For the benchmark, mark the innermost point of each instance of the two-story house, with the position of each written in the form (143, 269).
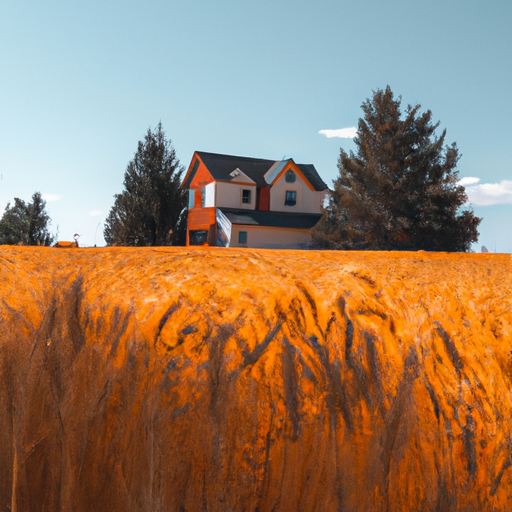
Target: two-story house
(250, 202)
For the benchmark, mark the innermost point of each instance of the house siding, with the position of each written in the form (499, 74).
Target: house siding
(229, 195)
(271, 238)
(308, 201)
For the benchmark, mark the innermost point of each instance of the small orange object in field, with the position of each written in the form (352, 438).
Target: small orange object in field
(66, 245)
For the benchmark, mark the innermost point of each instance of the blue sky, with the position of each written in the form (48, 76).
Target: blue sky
(82, 82)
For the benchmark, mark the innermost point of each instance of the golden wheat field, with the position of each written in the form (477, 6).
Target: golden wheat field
(179, 379)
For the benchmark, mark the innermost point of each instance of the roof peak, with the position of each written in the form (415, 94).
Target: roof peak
(237, 157)
(221, 166)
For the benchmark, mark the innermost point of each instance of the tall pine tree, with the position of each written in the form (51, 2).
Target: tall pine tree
(400, 189)
(147, 212)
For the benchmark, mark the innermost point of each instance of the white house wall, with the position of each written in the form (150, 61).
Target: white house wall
(209, 199)
(271, 238)
(308, 201)
(229, 195)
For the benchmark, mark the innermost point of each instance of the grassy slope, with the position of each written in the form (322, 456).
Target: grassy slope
(179, 379)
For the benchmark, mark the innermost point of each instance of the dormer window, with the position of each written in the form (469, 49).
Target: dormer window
(290, 176)
(246, 196)
(291, 198)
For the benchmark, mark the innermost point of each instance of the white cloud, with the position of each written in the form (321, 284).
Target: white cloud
(487, 194)
(95, 213)
(342, 133)
(468, 181)
(49, 198)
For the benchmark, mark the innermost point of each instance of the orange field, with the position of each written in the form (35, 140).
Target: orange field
(180, 379)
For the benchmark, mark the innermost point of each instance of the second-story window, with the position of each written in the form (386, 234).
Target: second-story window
(203, 197)
(246, 196)
(290, 176)
(291, 198)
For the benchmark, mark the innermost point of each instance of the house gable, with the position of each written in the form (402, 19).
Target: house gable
(197, 175)
(278, 172)
(239, 177)
(293, 191)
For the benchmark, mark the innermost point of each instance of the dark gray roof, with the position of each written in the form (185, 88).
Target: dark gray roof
(312, 176)
(220, 167)
(271, 219)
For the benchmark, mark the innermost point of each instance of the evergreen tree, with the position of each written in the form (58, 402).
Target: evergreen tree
(148, 209)
(26, 223)
(400, 190)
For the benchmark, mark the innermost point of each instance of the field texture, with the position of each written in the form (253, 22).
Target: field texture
(254, 380)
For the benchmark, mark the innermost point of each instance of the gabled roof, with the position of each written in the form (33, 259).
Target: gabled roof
(221, 166)
(271, 219)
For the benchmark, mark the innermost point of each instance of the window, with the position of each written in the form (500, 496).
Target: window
(290, 177)
(291, 198)
(242, 237)
(246, 196)
(203, 197)
(191, 198)
(198, 237)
